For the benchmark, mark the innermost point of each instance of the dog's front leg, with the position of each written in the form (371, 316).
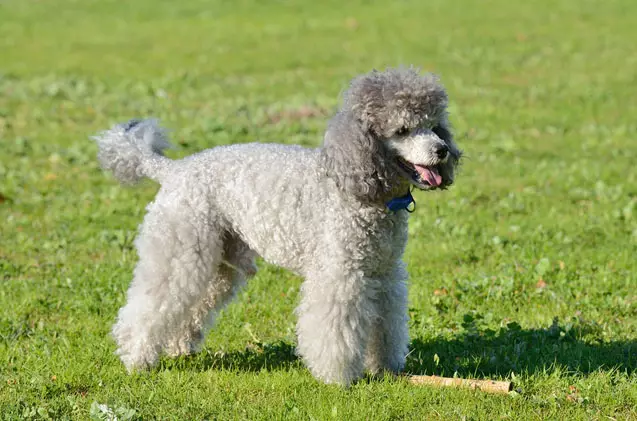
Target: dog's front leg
(389, 338)
(334, 321)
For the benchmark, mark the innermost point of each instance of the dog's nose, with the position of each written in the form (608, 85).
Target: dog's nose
(441, 151)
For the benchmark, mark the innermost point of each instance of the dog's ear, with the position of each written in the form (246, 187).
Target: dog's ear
(355, 158)
(443, 131)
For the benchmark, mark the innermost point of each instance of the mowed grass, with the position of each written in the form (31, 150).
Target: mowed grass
(524, 270)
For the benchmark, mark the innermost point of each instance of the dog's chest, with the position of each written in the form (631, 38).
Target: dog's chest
(382, 241)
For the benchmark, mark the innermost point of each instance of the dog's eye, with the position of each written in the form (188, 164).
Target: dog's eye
(402, 131)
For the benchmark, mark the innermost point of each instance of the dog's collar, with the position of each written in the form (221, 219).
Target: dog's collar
(402, 202)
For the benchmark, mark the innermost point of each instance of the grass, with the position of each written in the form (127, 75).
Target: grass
(525, 270)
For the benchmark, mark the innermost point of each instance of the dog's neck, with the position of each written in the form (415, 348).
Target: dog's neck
(399, 196)
(405, 202)
(399, 187)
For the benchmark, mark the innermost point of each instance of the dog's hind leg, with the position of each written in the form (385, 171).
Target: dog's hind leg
(236, 267)
(180, 245)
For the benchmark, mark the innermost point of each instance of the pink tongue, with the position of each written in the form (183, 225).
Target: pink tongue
(429, 174)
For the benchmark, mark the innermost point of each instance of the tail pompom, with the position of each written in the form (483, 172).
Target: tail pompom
(133, 150)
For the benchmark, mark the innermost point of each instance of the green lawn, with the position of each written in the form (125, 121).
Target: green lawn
(524, 270)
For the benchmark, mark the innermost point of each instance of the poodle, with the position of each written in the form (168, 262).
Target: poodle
(336, 215)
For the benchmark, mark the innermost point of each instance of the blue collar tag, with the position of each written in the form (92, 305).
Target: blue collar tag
(402, 202)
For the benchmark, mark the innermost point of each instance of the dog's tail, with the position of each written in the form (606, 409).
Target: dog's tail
(134, 150)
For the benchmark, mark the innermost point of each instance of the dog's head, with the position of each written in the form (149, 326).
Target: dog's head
(391, 131)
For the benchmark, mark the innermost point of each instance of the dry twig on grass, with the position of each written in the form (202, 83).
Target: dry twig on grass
(488, 386)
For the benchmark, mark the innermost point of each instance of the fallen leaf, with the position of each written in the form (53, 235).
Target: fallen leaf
(540, 284)
(573, 395)
(351, 23)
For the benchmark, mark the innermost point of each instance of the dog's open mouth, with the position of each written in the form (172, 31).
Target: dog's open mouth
(422, 176)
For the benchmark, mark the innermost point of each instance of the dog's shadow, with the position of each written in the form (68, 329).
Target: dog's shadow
(478, 353)
(475, 353)
(255, 357)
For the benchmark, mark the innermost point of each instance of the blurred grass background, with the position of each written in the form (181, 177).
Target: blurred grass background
(525, 270)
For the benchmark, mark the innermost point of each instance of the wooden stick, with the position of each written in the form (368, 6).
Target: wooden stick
(488, 386)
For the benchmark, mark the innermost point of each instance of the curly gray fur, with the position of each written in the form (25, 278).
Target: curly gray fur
(386, 101)
(355, 159)
(133, 150)
(374, 108)
(320, 213)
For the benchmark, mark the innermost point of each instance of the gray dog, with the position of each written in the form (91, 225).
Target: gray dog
(336, 215)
